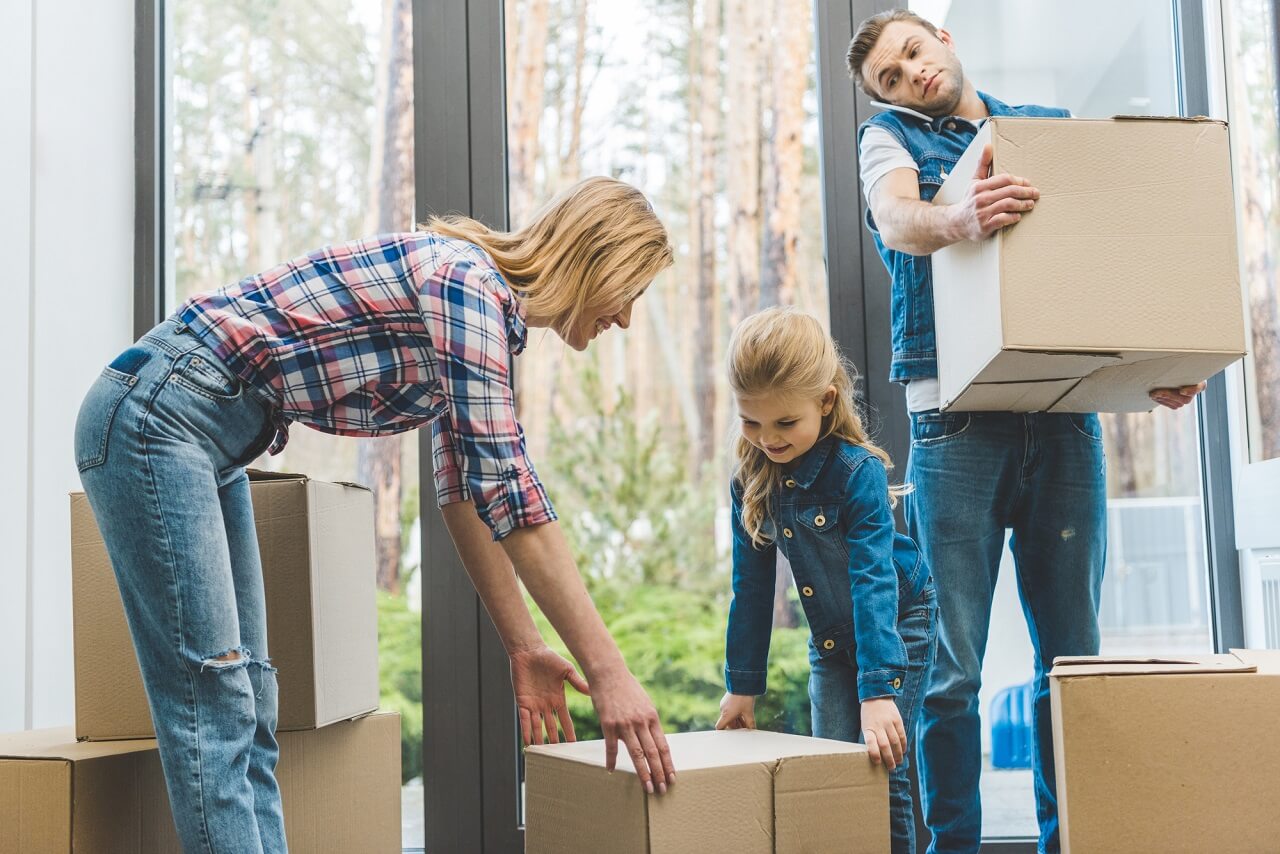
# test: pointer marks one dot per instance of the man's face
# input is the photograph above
(911, 67)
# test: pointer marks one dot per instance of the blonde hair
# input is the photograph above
(598, 241)
(784, 352)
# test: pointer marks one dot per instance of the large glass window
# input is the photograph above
(710, 108)
(291, 127)
(1251, 57)
(1097, 59)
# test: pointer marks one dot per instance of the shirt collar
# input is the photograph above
(807, 469)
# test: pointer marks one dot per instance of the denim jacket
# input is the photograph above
(935, 144)
(855, 573)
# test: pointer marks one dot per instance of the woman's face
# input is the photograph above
(596, 318)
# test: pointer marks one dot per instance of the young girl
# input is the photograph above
(366, 338)
(810, 481)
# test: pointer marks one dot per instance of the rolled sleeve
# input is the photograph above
(478, 445)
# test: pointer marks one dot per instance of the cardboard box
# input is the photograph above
(340, 786)
(1168, 755)
(1123, 279)
(318, 557)
(740, 791)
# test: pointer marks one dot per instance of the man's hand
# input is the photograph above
(538, 676)
(628, 715)
(1176, 398)
(737, 711)
(991, 203)
(882, 731)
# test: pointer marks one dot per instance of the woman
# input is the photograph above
(367, 338)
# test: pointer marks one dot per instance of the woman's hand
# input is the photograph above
(882, 731)
(737, 711)
(538, 676)
(628, 715)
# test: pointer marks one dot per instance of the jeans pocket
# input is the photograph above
(1087, 425)
(207, 378)
(932, 428)
(97, 413)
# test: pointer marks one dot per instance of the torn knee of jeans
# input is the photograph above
(228, 660)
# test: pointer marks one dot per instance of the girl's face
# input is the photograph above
(596, 318)
(784, 427)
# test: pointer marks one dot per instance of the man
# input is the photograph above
(975, 474)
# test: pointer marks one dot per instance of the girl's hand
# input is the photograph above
(737, 711)
(882, 730)
(538, 676)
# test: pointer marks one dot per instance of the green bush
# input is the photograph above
(400, 675)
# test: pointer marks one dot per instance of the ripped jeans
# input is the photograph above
(162, 439)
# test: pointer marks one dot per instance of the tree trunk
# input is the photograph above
(573, 157)
(746, 31)
(524, 107)
(705, 367)
(378, 461)
(782, 233)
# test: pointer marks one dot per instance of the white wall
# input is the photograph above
(66, 233)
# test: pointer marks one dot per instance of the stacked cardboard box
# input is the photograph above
(1123, 279)
(100, 787)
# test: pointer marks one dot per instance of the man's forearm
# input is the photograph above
(916, 227)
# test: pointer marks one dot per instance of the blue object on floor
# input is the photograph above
(1011, 727)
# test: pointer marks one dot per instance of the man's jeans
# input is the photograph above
(837, 714)
(161, 443)
(975, 475)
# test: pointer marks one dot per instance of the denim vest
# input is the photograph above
(856, 574)
(935, 145)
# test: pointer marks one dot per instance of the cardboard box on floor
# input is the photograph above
(1123, 279)
(340, 786)
(743, 791)
(1168, 755)
(318, 561)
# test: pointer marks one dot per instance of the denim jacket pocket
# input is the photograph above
(819, 518)
(97, 414)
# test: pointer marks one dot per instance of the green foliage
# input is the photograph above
(400, 675)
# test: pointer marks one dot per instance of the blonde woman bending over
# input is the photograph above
(367, 338)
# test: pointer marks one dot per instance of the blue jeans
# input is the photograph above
(833, 695)
(976, 475)
(161, 443)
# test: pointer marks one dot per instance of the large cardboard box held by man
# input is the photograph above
(1123, 279)
(1168, 755)
(318, 557)
(739, 791)
(340, 786)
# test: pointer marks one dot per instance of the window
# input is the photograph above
(1250, 34)
(1155, 587)
(710, 108)
(291, 127)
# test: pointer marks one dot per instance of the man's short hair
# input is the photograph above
(869, 33)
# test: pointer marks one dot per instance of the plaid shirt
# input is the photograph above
(384, 335)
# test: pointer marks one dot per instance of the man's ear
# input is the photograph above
(944, 36)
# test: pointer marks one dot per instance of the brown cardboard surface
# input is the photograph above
(340, 786)
(316, 541)
(1168, 755)
(1130, 250)
(739, 790)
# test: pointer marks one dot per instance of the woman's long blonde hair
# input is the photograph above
(598, 241)
(783, 352)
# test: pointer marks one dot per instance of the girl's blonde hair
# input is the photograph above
(598, 241)
(783, 352)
